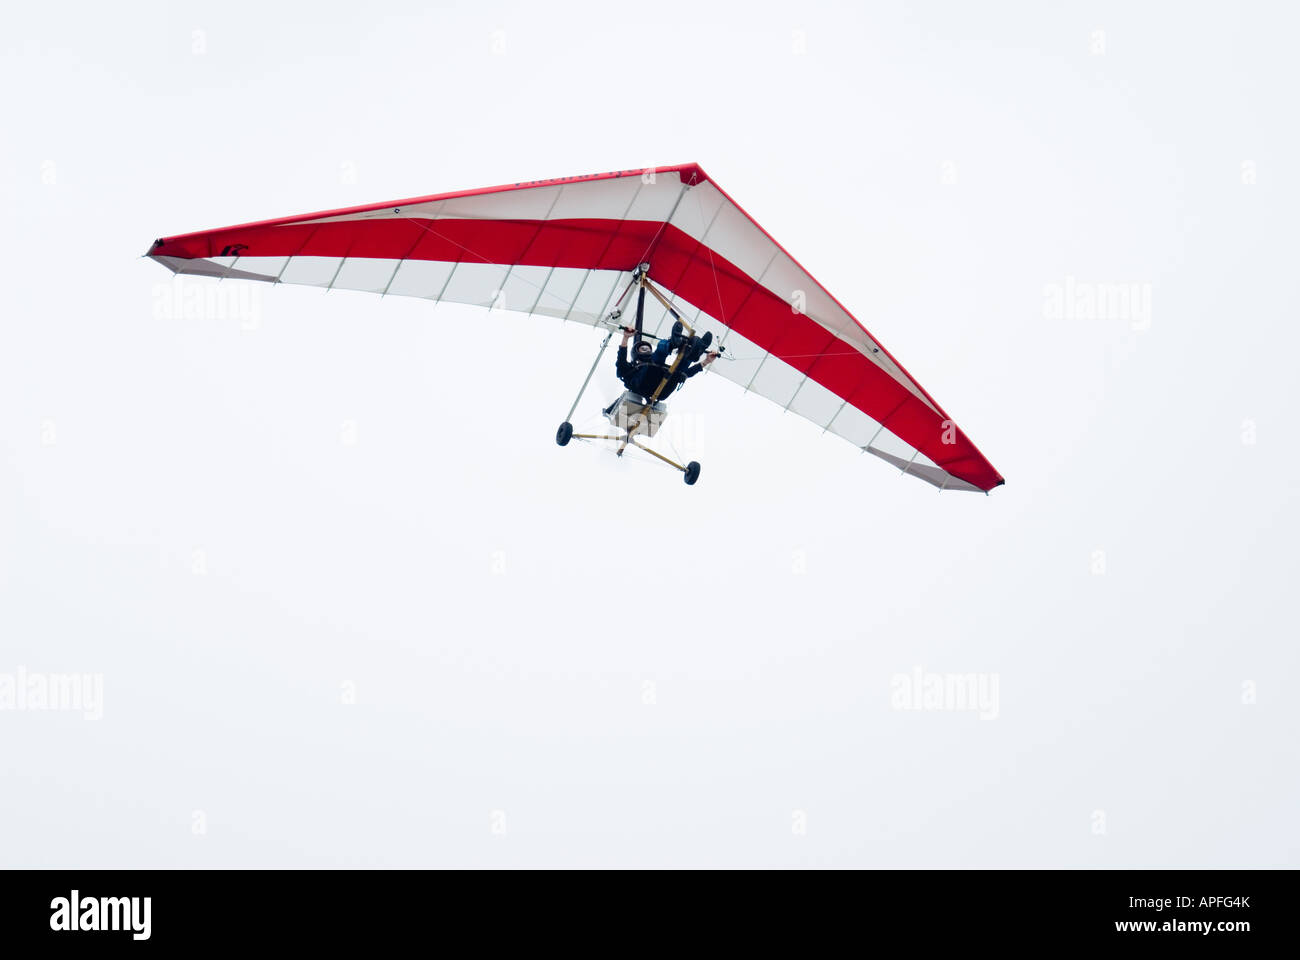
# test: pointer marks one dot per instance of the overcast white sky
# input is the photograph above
(244, 511)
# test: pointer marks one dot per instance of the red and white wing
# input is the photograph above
(567, 248)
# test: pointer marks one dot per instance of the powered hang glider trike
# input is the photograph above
(575, 248)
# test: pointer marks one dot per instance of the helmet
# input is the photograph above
(644, 351)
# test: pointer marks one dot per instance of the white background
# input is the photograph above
(241, 512)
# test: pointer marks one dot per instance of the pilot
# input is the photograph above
(648, 369)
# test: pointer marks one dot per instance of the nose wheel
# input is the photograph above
(691, 473)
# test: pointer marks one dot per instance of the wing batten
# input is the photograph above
(622, 222)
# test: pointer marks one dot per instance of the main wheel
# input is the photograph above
(564, 434)
(692, 473)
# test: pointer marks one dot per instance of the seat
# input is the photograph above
(626, 414)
